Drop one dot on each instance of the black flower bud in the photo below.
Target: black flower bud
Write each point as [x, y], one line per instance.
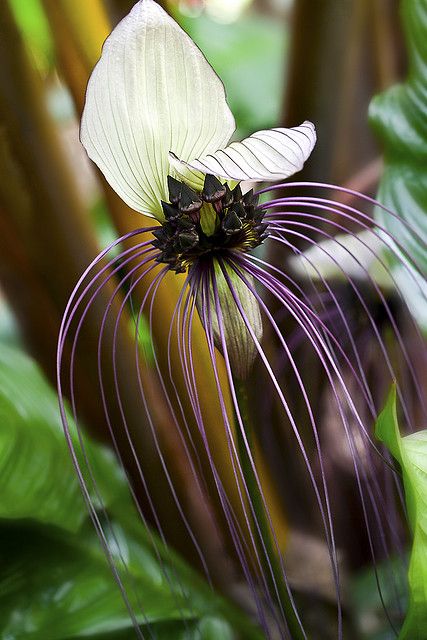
[232, 223]
[213, 190]
[190, 201]
[188, 240]
[174, 187]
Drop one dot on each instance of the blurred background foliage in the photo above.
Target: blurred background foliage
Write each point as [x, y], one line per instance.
[281, 62]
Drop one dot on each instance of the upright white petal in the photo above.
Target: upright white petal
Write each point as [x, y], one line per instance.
[151, 92]
[268, 155]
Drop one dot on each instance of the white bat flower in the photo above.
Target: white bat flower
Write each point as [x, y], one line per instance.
[313, 331]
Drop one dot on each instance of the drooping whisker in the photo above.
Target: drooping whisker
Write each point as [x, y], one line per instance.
[288, 229]
[144, 255]
[87, 478]
[245, 545]
[181, 419]
[151, 292]
[253, 258]
[363, 482]
[357, 214]
[174, 323]
[185, 348]
[364, 428]
[155, 283]
[182, 319]
[408, 362]
[288, 411]
[211, 307]
[259, 274]
[324, 505]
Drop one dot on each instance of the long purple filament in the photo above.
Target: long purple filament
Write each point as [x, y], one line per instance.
[354, 454]
[328, 332]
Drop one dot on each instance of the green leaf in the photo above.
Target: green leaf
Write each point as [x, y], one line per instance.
[400, 118]
[37, 476]
[55, 581]
[59, 586]
[411, 453]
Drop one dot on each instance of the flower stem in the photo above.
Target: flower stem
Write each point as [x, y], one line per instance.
[266, 545]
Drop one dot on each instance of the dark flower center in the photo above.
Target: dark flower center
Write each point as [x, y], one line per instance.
[202, 225]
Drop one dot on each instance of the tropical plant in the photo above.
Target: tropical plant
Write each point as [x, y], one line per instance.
[230, 338]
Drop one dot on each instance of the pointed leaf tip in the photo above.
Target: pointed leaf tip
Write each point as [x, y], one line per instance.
[411, 453]
[387, 427]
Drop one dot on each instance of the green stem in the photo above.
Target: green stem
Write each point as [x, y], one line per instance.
[263, 535]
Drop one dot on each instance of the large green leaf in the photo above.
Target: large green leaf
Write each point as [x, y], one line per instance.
[55, 580]
[411, 453]
[57, 586]
[36, 473]
[400, 118]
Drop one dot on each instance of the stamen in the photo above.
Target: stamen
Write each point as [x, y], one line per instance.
[189, 201]
[235, 223]
[213, 190]
[174, 187]
[232, 222]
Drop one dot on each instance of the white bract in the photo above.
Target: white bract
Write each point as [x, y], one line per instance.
[154, 106]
